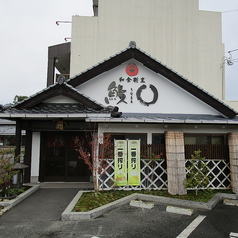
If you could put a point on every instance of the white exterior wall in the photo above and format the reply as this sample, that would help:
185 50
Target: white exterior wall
35 157
175 32
171 98
60 99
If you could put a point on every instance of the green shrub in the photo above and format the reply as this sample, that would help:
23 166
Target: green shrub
197 177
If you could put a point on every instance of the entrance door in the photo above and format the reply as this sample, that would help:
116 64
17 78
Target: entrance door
59 161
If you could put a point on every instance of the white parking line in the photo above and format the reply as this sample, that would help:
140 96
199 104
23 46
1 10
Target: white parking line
191 227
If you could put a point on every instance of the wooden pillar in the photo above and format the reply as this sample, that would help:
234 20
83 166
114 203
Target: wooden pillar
18 138
233 153
27 156
175 157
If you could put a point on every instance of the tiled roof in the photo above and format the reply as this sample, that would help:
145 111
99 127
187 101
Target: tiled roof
34 102
168 118
50 88
48 108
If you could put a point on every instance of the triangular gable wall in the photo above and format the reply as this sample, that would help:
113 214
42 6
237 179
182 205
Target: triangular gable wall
135 53
134 89
60 99
59 93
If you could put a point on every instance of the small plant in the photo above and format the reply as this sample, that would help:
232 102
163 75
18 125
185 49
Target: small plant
18 191
7 162
197 177
97 164
153 158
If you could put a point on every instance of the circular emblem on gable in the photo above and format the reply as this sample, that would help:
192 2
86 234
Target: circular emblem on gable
132 69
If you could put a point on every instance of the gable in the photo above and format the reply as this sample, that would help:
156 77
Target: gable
133 81
134 89
132 52
60 93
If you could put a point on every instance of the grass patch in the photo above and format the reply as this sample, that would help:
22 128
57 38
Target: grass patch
18 191
89 201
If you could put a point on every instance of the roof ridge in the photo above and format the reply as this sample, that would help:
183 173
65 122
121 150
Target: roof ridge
52 86
33 95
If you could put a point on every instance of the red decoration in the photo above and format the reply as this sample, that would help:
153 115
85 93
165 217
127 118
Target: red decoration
132 69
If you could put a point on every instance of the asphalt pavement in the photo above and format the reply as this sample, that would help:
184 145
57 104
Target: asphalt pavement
39 216
219 222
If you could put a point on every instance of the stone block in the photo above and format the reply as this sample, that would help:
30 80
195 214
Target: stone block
233 235
179 210
230 202
141 204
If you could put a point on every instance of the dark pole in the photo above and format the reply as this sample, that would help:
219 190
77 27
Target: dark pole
27 156
18 139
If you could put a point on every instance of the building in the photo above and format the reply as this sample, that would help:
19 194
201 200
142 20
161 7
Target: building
158 107
176 33
7 133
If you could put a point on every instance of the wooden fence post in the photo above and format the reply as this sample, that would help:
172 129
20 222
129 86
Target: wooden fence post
175 158
233 152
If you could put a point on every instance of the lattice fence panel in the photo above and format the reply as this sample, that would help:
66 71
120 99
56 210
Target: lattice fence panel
219 173
153 176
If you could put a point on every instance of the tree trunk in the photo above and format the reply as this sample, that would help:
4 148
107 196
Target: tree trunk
95 185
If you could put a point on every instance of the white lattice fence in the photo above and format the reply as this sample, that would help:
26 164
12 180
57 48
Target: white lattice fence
219 173
153 176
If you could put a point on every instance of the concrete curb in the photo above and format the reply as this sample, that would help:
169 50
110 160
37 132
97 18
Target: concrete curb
19 198
68 215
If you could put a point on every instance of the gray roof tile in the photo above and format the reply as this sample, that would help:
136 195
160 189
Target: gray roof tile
47 108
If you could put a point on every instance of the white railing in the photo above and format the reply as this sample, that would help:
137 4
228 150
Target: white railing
153 176
219 173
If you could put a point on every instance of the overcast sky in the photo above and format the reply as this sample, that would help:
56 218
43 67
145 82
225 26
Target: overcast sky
28 27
